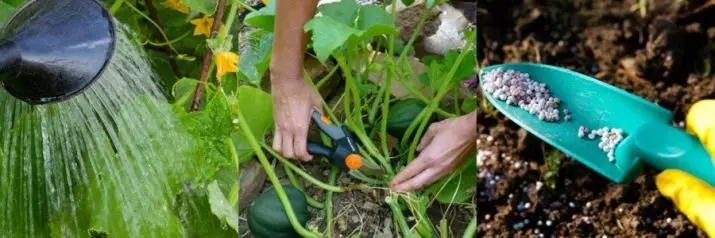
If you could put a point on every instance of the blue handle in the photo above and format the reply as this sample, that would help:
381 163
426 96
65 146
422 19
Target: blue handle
665 147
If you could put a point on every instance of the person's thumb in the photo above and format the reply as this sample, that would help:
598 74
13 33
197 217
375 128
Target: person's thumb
700 121
692 196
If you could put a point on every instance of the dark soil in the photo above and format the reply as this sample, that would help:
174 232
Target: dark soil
664 57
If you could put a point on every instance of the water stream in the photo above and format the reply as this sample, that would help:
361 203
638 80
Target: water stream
110 158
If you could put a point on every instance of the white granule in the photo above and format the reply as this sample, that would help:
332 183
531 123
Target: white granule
517 88
610 137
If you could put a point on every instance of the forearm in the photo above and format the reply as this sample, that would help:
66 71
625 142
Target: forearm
290 39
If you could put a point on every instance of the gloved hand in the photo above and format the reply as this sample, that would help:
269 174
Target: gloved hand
692 196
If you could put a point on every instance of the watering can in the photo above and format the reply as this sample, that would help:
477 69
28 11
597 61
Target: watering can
650 137
51 50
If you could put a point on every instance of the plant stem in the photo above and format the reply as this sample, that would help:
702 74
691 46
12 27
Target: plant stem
207 64
115 6
249 7
169 51
272 176
149 19
413 38
444 229
385 111
471 228
328 76
360 133
351 85
375 105
414 91
302 173
400 60
446 82
399 217
188 33
234 196
291 177
329 204
388 87
366 179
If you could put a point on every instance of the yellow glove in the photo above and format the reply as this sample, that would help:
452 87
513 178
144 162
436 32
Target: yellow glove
692 196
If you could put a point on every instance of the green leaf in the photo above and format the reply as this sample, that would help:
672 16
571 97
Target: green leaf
116 203
408 2
221 207
255 58
203 6
460 185
183 92
466 68
375 20
264 18
328 35
6 11
162 67
210 127
14 3
257 108
435 73
469 105
367 88
194 209
344 11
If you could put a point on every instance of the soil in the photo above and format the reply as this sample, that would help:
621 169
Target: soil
664 57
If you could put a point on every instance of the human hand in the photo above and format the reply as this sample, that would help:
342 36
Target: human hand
442 148
294 101
692 196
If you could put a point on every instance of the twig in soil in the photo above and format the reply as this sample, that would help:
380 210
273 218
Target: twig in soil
203 76
360 217
155 17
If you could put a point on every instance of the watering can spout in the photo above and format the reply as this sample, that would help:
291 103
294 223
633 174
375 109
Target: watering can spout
53 50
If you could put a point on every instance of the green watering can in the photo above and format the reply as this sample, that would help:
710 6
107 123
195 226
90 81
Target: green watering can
649 136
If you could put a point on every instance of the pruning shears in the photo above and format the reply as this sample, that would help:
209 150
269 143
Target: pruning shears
344 153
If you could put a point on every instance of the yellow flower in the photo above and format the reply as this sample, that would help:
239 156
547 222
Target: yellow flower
203 26
226 62
177 5
264 1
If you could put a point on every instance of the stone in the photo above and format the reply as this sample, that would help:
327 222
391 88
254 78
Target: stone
386 231
450 33
251 180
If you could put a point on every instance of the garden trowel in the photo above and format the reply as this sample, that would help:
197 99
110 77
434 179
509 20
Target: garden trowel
344 153
51 50
650 137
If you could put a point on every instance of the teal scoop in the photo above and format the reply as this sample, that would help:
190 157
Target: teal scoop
649 137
